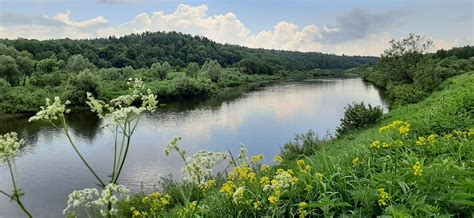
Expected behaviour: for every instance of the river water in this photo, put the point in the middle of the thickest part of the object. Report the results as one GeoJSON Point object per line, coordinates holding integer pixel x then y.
{"type": "Point", "coordinates": [263, 120]}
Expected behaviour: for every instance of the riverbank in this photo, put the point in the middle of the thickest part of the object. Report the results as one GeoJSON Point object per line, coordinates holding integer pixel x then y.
{"type": "Point", "coordinates": [21, 101]}
{"type": "Point", "coordinates": [399, 167]}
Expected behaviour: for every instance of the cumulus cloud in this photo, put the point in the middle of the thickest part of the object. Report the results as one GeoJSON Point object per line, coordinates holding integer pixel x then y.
{"type": "Point", "coordinates": [357, 32]}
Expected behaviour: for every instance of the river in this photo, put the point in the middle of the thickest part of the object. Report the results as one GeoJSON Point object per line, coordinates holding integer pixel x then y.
{"type": "Point", "coordinates": [263, 120]}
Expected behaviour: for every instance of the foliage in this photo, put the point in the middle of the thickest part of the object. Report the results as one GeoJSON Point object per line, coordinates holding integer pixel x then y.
{"type": "Point", "coordinates": [357, 115]}
{"type": "Point", "coordinates": [409, 73]}
{"type": "Point", "coordinates": [145, 49]}
{"type": "Point", "coordinates": [398, 168]}
{"type": "Point", "coordinates": [303, 144]}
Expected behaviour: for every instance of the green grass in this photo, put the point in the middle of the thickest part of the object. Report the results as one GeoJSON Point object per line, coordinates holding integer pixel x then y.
{"type": "Point", "coordinates": [348, 176]}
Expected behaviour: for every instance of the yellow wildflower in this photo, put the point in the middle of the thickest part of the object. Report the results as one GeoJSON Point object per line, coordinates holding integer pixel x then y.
{"type": "Point", "coordinates": [257, 205]}
{"type": "Point", "coordinates": [320, 176]}
{"type": "Point", "coordinates": [376, 144]}
{"type": "Point", "coordinates": [301, 209]}
{"type": "Point", "coordinates": [264, 181]}
{"type": "Point", "coordinates": [228, 188]}
{"type": "Point", "coordinates": [207, 185]}
{"type": "Point", "coordinates": [273, 199]}
{"type": "Point", "coordinates": [421, 140]}
{"type": "Point", "coordinates": [300, 163]}
{"type": "Point", "coordinates": [432, 138]}
{"type": "Point", "coordinates": [308, 188]}
{"type": "Point", "coordinates": [417, 170]}
{"type": "Point", "coordinates": [384, 196]}
{"type": "Point", "coordinates": [257, 158]}
{"type": "Point", "coordinates": [355, 161]}
{"type": "Point", "coordinates": [265, 168]}
{"type": "Point", "coordinates": [278, 159]}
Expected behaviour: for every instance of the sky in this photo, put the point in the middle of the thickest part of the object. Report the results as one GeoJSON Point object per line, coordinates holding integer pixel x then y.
{"type": "Point", "coordinates": [357, 27]}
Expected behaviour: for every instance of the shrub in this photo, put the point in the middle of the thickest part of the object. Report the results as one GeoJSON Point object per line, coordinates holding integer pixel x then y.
{"type": "Point", "coordinates": [357, 116]}
{"type": "Point", "coordinates": [303, 144]}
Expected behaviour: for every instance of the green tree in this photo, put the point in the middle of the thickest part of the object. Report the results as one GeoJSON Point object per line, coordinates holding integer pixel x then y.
{"type": "Point", "coordinates": [192, 69]}
{"type": "Point", "coordinates": [9, 70]}
{"type": "Point", "coordinates": [78, 63]}
{"type": "Point", "coordinates": [213, 70]}
{"type": "Point", "coordinates": [399, 62]}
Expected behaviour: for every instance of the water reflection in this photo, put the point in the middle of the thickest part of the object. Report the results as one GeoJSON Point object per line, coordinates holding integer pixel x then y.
{"type": "Point", "coordinates": [263, 120]}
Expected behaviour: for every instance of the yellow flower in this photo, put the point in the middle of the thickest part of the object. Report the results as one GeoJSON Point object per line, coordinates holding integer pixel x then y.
{"type": "Point", "coordinates": [300, 163]}
{"type": "Point", "coordinates": [278, 159]}
{"type": "Point", "coordinates": [421, 140]}
{"type": "Point", "coordinates": [404, 129]}
{"type": "Point", "coordinates": [243, 173]}
{"type": "Point", "coordinates": [257, 205]}
{"type": "Point", "coordinates": [355, 161]}
{"type": "Point", "coordinates": [257, 158]}
{"type": "Point", "coordinates": [432, 138]}
{"type": "Point", "coordinates": [238, 195]}
{"type": "Point", "coordinates": [384, 196]}
{"type": "Point", "coordinates": [308, 188]}
{"type": "Point", "coordinates": [376, 144]}
{"type": "Point", "coordinates": [301, 209]}
{"type": "Point", "coordinates": [417, 170]}
{"type": "Point", "coordinates": [273, 199]}
{"type": "Point", "coordinates": [320, 176]}
{"type": "Point", "coordinates": [265, 168]}
{"type": "Point", "coordinates": [264, 181]}
{"type": "Point", "coordinates": [228, 188]}
{"type": "Point", "coordinates": [207, 185]}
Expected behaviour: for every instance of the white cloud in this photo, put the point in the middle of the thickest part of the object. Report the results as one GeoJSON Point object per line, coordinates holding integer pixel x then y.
{"type": "Point", "coordinates": [223, 28]}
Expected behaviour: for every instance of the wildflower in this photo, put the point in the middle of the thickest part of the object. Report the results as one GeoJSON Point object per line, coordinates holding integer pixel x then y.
{"type": "Point", "coordinates": [273, 199]}
{"type": "Point", "coordinates": [402, 127]}
{"type": "Point", "coordinates": [376, 144]}
{"type": "Point", "coordinates": [51, 111]}
{"type": "Point", "coordinates": [243, 156]}
{"type": "Point", "coordinates": [257, 158]}
{"type": "Point", "coordinates": [264, 181]}
{"type": "Point", "coordinates": [320, 176]}
{"type": "Point", "coordinates": [200, 165]}
{"type": "Point", "coordinates": [300, 163]}
{"type": "Point", "coordinates": [385, 145]}
{"type": "Point", "coordinates": [10, 145]}
{"type": "Point", "coordinates": [238, 195]}
{"type": "Point", "coordinates": [257, 205]}
{"type": "Point", "coordinates": [156, 201]}
{"type": "Point", "coordinates": [417, 170]}
{"type": "Point", "coordinates": [302, 209]}
{"type": "Point", "coordinates": [189, 209]}
{"type": "Point", "coordinates": [421, 140]}
{"type": "Point", "coordinates": [308, 188]}
{"type": "Point", "coordinates": [228, 188]}
{"type": "Point", "coordinates": [265, 168]}
{"type": "Point", "coordinates": [355, 161]}
{"type": "Point", "coordinates": [432, 138]}
{"type": "Point", "coordinates": [207, 185]}
{"type": "Point", "coordinates": [384, 196]}
{"type": "Point", "coordinates": [243, 173]}
{"type": "Point", "coordinates": [278, 159]}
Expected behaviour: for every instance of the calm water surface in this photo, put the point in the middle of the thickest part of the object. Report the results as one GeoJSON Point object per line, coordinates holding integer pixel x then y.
{"type": "Point", "coordinates": [264, 120]}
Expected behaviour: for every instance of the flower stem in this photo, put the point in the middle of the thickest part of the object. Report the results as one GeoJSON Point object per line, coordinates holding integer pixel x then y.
{"type": "Point", "coordinates": [16, 195]}
{"type": "Point", "coordinates": [66, 132]}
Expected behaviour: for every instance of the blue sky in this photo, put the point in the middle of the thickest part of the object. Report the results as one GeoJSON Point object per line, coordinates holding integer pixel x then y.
{"type": "Point", "coordinates": [349, 27]}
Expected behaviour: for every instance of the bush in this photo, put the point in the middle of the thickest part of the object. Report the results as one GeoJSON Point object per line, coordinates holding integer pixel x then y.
{"type": "Point", "coordinates": [357, 116]}
{"type": "Point", "coordinates": [405, 94]}
{"type": "Point", "coordinates": [303, 144]}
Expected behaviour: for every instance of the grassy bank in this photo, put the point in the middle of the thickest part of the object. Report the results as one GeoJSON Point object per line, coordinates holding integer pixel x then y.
{"type": "Point", "coordinates": [416, 162]}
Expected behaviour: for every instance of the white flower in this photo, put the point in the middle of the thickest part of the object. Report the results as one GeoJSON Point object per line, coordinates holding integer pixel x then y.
{"type": "Point", "coordinates": [10, 145]}
{"type": "Point", "coordinates": [90, 199]}
{"type": "Point", "coordinates": [51, 111]}
{"type": "Point", "coordinates": [200, 165]}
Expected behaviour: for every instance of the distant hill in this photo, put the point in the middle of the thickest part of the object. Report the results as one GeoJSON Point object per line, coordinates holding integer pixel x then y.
{"type": "Point", "coordinates": [142, 50]}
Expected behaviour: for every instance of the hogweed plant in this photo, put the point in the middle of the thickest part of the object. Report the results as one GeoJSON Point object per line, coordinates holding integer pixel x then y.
{"type": "Point", "coordinates": [9, 148]}
{"type": "Point", "coordinates": [121, 115]}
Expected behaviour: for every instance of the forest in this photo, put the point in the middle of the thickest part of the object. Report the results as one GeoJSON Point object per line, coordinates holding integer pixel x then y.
{"type": "Point", "coordinates": [173, 65]}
